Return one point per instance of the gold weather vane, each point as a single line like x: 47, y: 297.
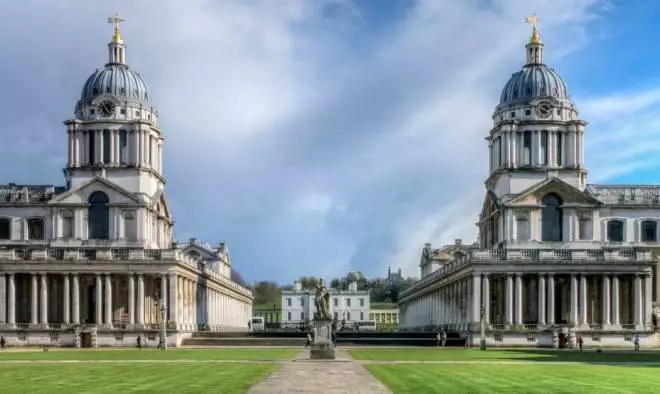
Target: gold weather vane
x: 116, y: 20
x: 533, y: 20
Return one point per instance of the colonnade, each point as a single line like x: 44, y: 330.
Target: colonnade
x: 515, y: 300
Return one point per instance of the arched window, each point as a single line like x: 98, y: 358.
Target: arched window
x: 35, y: 228
x: 5, y: 228
x: 99, y: 216
x: 551, y: 218
x: 615, y: 231
x: 649, y: 231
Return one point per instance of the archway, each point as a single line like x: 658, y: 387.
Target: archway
x: 551, y: 218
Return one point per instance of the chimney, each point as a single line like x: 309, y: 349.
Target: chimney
x: 352, y: 286
x: 297, y: 286
x: 458, y: 241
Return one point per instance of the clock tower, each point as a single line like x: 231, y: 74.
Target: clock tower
x: 536, y: 132
x: 114, y: 134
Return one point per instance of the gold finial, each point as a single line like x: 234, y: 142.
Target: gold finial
x: 116, y: 20
x: 535, y: 38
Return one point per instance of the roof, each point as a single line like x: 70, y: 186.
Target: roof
x: 13, y: 193
x: 533, y: 82
x: 626, y: 194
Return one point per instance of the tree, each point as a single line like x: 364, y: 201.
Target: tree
x: 308, y: 282
x: 265, y: 292
x: 335, y: 284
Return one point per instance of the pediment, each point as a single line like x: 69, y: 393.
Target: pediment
x: 80, y: 195
x: 197, y: 251
x: 568, y: 194
x: 490, y: 204
x: 160, y: 204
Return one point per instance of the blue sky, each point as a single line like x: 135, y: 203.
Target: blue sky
x: 318, y: 137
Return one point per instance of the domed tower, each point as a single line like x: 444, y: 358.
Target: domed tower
x: 536, y: 132
x: 114, y: 133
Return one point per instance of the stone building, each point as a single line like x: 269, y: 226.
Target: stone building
x: 555, y: 253
x: 93, y: 262
x: 351, y: 305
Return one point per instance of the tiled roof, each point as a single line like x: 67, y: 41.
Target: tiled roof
x: 12, y: 193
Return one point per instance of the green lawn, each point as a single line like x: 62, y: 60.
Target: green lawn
x: 135, y: 378
x: 532, y: 355
x: 521, y: 378
x: 153, y: 354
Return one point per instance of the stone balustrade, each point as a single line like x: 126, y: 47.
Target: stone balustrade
x: 115, y: 255
x: 558, y: 256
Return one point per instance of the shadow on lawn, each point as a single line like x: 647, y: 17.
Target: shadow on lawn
x: 588, y: 356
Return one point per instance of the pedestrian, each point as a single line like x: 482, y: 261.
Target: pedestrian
x: 636, y: 341
x: 468, y: 340
x: 308, y: 341
x: 2, y: 343
x: 139, y: 342
x: 580, y: 342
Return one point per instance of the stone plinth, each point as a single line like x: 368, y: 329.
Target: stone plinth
x: 322, y: 346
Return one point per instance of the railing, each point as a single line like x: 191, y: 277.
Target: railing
x: 84, y: 255
x: 601, y: 255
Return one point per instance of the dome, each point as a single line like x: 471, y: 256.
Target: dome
x: 532, y: 82
x: 116, y: 80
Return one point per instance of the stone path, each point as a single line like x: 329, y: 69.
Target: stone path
x: 343, y: 375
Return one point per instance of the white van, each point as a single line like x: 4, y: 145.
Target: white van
x: 257, y: 323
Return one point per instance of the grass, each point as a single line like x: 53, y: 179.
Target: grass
x: 511, y: 371
x: 137, y: 378
x: 153, y: 354
x: 140, y: 371
x: 520, y: 378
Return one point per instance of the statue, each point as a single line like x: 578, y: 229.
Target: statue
x: 322, y: 302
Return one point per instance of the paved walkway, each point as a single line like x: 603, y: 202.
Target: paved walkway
x: 341, y: 376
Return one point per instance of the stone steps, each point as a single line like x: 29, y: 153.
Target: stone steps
x: 244, y: 341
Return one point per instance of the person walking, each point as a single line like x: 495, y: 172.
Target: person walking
x: 636, y: 341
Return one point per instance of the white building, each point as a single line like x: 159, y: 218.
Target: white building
x: 93, y: 261
x: 555, y: 252
x: 350, y: 305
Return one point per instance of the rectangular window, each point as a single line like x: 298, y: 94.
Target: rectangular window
x: 361, y: 301
x: 91, y: 146
x: 361, y: 316
x: 649, y: 231
x: 5, y: 228
x: 288, y: 316
x: 348, y: 315
x: 500, y: 150
x: 302, y: 301
x: 106, y: 146
x: 560, y: 155
x: 288, y: 302
x: 522, y: 228
x: 302, y: 316
x: 335, y: 302
x: 123, y: 150
x: 527, y: 148
x: 584, y: 230
x: 348, y: 302
x: 151, y: 150
x: 544, y: 147
x: 336, y: 316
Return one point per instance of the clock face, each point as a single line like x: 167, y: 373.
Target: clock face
x: 543, y: 109
x: 107, y: 108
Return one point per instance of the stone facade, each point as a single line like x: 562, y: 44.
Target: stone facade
x: 93, y: 262
x: 350, y: 305
x: 554, y: 253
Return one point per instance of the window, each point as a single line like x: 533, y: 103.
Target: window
x: 544, y: 147
x: 528, y: 112
x: 361, y: 301
x: 336, y: 316
x: 500, y: 149
x: 35, y: 228
x: 288, y: 316
x: 302, y: 316
x: 123, y: 152
x: 98, y: 216
x: 106, y: 146
x: 348, y: 316
x: 527, y: 147
x: 615, y: 231
x: 151, y: 150
x: 584, y: 227
x: 91, y: 111
x: 558, y: 112
x: 288, y: 303
x: 513, y: 114
x: 559, y: 148
x: 302, y: 301
x: 130, y: 227
x: 122, y: 111
x: 91, y: 145
x: 5, y: 228
x: 335, y: 302
x: 348, y: 302
x: 67, y: 224
x: 522, y: 227
x: 137, y: 113
x: 361, y: 315
x: 551, y: 217
x: 649, y: 231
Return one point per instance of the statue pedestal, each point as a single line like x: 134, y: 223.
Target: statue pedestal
x: 322, y: 346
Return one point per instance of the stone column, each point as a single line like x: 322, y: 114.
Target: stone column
x: 140, y: 301
x: 131, y: 300
x: 173, y: 299
x: 34, y: 301
x: 574, y: 300
x: 551, y: 299
x: 195, y: 322
x: 11, y: 300
x: 486, y: 298
x: 44, y: 300
x: 648, y: 301
x: 163, y: 296
x: 66, y: 301
x: 584, y: 321
x: 638, y: 301
x: 519, y: 299
x: 476, y: 298
x: 508, y: 300
x: 541, y: 292
x: 76, y: 299
x: 108, y: 300
x: 606, y: 302
x: 99, y: 299
x: 179, y: 300
x: 615, y: 303
x: 3, y: 299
